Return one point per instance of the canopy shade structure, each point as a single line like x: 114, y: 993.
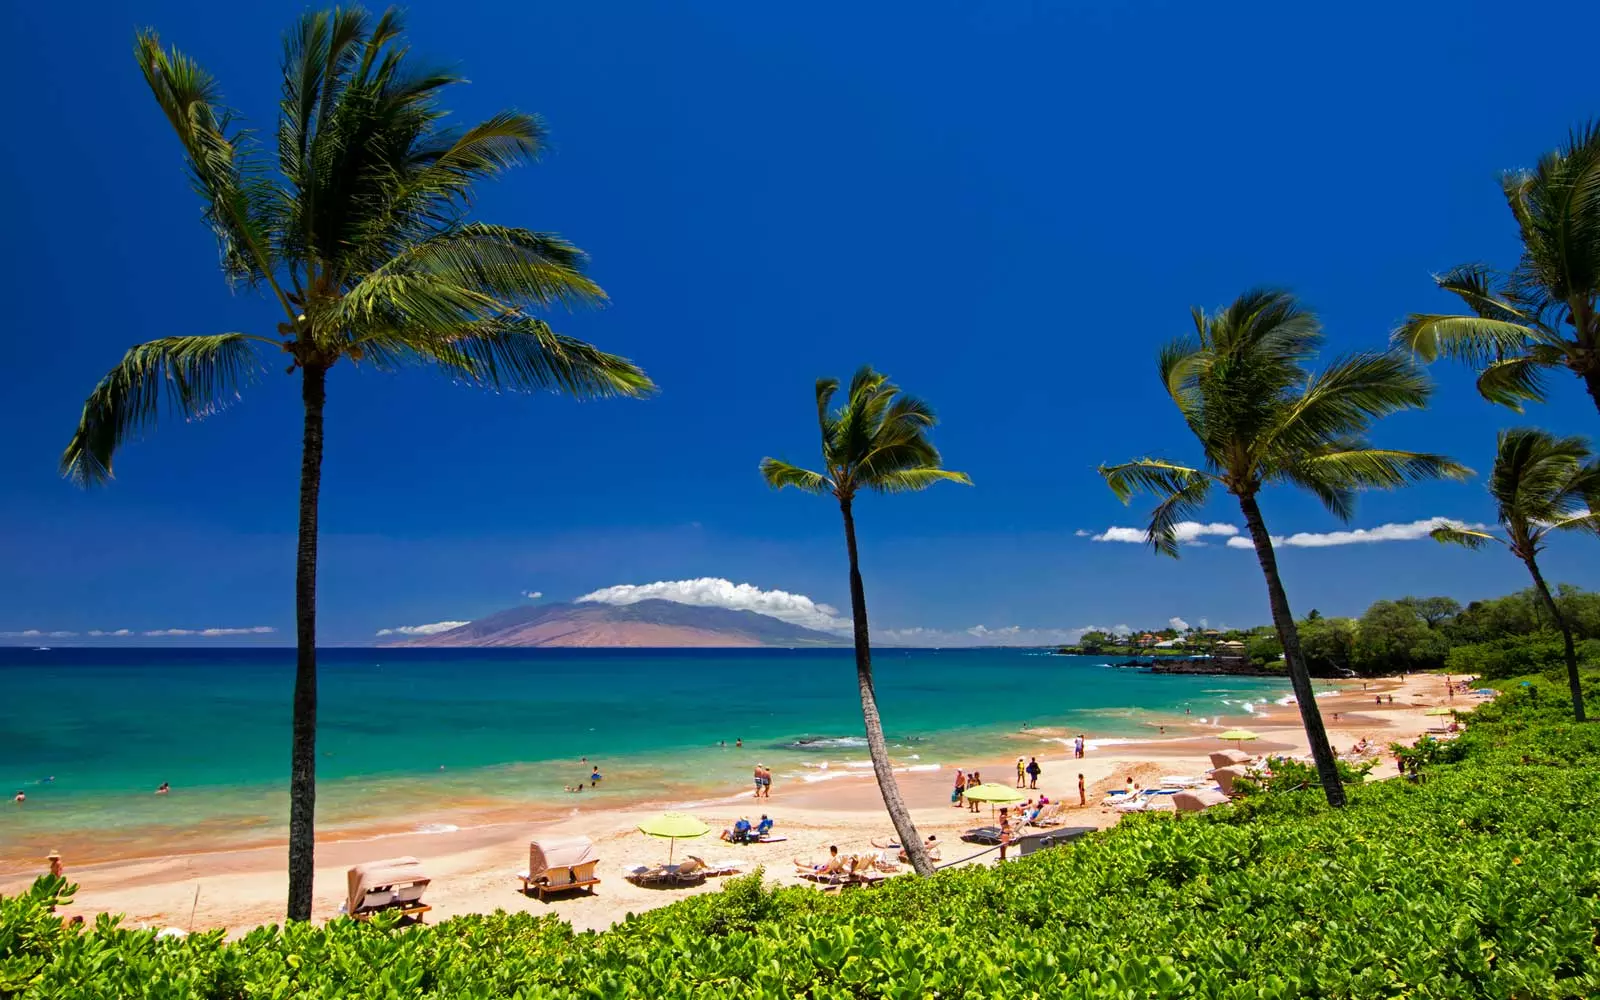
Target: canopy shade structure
x: 1440, y: 710
x: 998, y: 795
x: 1238, y: 735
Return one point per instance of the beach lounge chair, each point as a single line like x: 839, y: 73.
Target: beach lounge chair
x: 1198, y: 799
x: 835, y: 871
x: 713, y: 870
x: 982, y: 835
x: 392, y: 884
x: 690, y: 873
x: 1049, y: 816
x: 1140, y: 801
x: 1226, y: 776
x: 560, y: 864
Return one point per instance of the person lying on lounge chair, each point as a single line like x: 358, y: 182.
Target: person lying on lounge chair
x: 930, y: 846
x: 832, y: 866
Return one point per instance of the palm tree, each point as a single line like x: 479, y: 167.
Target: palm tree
x: 361, y: 237
x: 1262, y: 418
x: 1540, y: 483
x: 1544, y: 315
x: 878, y: 441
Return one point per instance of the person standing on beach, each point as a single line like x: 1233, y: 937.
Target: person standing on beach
x: 1083, y: 798
x: 1005, y: 831
x: 958, y: 796
x: 1022, y: 772
x: 1034, y: 770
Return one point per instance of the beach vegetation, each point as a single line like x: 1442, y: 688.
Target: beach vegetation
x: 1541, y: 484
x: 1544, y: 315
x: 357, y: 228
x: 1447, y: 887
x: 1263, y: 418
x: 876, y: 442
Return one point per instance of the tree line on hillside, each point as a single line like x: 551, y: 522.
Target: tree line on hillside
x: 357, y: 227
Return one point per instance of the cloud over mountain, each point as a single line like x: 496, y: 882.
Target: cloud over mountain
x: 715, y: 592
x: 433, y: 628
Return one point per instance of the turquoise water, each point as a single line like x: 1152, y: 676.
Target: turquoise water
x: 403, y: 731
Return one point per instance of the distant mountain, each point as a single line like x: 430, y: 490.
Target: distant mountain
x: 644, y: 623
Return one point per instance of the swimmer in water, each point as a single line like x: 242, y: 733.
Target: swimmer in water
x: 19, y: 797
x: 163, y: 788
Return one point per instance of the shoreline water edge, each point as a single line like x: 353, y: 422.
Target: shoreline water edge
x: 203, y: 877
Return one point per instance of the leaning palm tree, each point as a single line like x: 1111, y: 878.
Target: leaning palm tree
x: 1262, y: 418
x: 361, y: 237
x: 1540, y: 483
x: 1544, y: 315
x: 877, y: 441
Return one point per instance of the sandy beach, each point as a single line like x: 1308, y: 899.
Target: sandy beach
x: 473, y: 868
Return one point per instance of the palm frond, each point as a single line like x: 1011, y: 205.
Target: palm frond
x: 1149, y: 475
x: 1516, y: 381
x: 520, y: 353
x: 1465, y: 537
x: 1334, y: 476
x: 190, y: 377
x: 1344, y: 399
x: 780, y: 474
x: 912, y: 480
x: 1472, y: 339
x: 1180, y: 505
x: 223, y: 160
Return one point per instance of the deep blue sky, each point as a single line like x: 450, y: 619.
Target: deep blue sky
x: 1008, y: 207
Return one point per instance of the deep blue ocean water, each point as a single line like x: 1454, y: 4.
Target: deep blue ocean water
x: 402, y: 729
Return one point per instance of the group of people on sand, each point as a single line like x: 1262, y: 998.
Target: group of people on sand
x: 964, y: 781
x: 1028, y: 774
x: 763, y: 782
x: 743, y: 833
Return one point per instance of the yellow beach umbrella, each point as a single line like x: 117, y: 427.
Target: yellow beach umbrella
x: 1238, y: 735
x: 1440, y: 710
x: 674, y: 827
x: 996, y: 795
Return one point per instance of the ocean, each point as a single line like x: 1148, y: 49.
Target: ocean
x: 88, y: 734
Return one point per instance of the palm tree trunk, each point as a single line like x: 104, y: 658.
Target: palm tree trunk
x: 876, y: 747
x: 1591, y: 380
x: 303, y: 750
x: 1566, y: 636
x: 1289, y: 636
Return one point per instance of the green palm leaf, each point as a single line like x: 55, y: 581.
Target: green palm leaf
x: 780, y: 474
x: 1464, y: 537
x: 191, y: 377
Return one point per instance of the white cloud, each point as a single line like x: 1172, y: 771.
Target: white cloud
x: 715, y: 592
x: 1081, y: 533
x: 33, y: 633
x: 433, y: 628
x: 1178, y: 623
x: 207, y: 632
x: 533, y: 595
x: 100, y: 633
x: 1408, y: 532
x: 1187, y: 533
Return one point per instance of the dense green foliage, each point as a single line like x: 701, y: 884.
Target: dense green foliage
x: 1448, y: 887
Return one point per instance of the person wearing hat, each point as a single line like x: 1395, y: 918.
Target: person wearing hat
x: 1022, y: 773
x: 54, y: 857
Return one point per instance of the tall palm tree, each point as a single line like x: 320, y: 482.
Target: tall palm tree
x: 1540, y: 483
x: 361, y: 237
x: 1262, y: 418
x: 1545, y: 314
x: 877, y: 441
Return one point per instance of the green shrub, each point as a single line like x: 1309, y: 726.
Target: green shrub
x: 1482, y: 882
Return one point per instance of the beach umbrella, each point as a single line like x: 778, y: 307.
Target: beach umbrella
x: 674, y: 827
x: 995, y: 795
x: 1440, y: 710
x: 1237, y: 735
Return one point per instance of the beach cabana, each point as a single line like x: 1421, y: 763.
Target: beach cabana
x: 390, y: 884
x: 1226, y: 776
x: 559, y: 864
x: 1228, y: 758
